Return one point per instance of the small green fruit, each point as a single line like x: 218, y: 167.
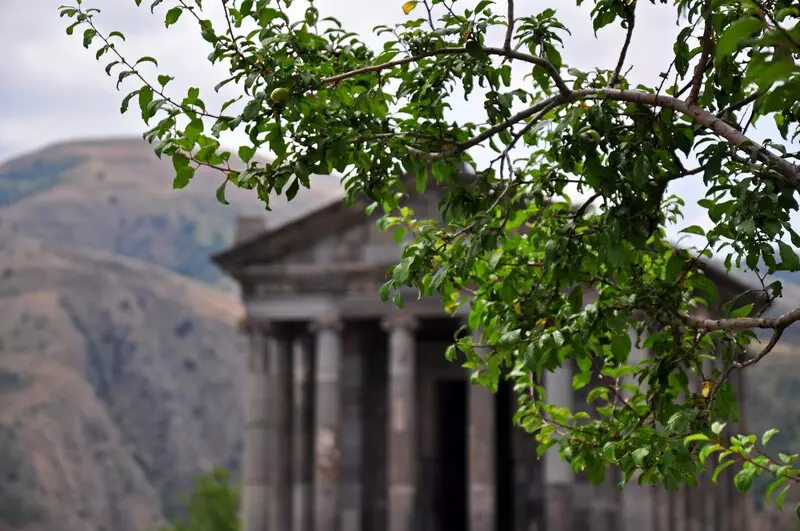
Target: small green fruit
x: 279, y: 95
x: 592, y: 135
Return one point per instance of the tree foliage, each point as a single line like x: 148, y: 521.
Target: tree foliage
x: 212, y: 505
x: 509, y: 241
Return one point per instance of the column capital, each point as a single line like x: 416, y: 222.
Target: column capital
x: 252, y: 325
x: 329, y: 321
x: 402, y: 320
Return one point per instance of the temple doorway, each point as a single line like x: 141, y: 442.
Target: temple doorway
x: 451, y: 451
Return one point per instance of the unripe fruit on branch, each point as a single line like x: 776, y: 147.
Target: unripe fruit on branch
x: 279, y: 95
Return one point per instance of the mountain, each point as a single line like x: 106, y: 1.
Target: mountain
x: 118, y: 383
x: 116, y: 196
x: 120, y: 360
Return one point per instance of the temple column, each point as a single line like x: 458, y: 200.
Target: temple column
x: 327, y: 421
x: 280, y: 448
x: 255, y: 479
x: 402, y: 436
x: 303, y: 454
x: 638, y: 507
x: 352, y: 432
x: 558, y: 476
x: 481, y: 472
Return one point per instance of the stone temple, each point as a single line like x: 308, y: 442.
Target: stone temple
x: 356, y: 422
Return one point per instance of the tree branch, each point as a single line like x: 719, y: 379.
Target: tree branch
x: 511, y: 54
x: 700, y: 69
x: 624, y: 52
x: 700, y: 116
x: 547, y: 103
x: 510, y: 30
x: 745, y: 323
x: 776, y: 336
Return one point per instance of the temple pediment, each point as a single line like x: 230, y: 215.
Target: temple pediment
x: 337, y: 238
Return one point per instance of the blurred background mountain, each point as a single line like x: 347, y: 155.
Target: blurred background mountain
x: 120, y: 359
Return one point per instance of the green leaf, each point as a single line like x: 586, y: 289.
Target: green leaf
x: 581, y: 380
x: 744, y: 311
x: 576, y: 299
x: 694, y: 229
x: 674, y: 268
x: 172, y: 16
x: 246, y: 153
x: 639, y: 455
x: 717, y: 427
x: 88, y: 36
x: 782, y: 497
x: 772, y: 487
x: 145, y: 99
x: 621, y: 346
x: 126, y: 101
x: 696, y: 437
x: 789, y: 258
x: 494, y: 258
x: 609, y: 452
x: 146, y: 59
x: 743, y: 480
x: 475, y: 49
x: 708, y: 450
x: 398, y: 300
x: 385, y: 291
x: 769, y: 434
x: 221, y: 193
x: 401, y: 272
x: 184, y: 171
x: 741, y: 29
x: 720, y: 467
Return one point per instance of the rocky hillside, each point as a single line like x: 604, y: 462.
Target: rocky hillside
x: 120, y: 371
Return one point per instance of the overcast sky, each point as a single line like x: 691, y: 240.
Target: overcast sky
x: 53, y: 90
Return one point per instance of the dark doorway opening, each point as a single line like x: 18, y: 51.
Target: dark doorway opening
x: 504, y: 457
x: 451, y: 487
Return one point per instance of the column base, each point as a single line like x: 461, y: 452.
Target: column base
x: 559, y: 507
x: 481, y: 508
x: 401, y: 508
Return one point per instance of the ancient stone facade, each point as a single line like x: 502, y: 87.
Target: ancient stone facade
x: 356, y: 422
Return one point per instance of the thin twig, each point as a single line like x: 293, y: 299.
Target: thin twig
x: 430, y: 14
x: 230, y: 29
x: 510, y: 30
x: 707, y: 43
x: 766, y: 12
x: 624, y: 52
